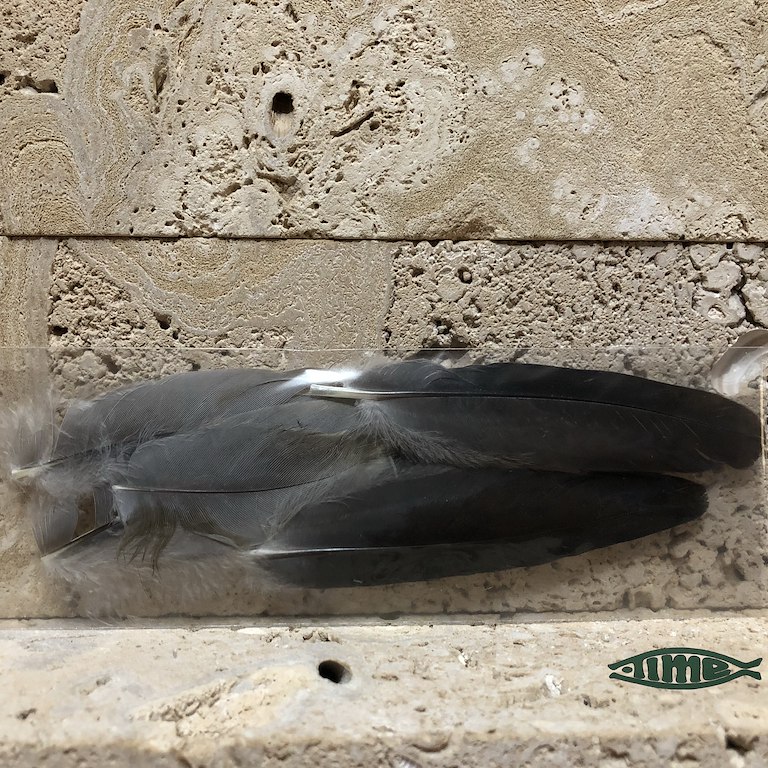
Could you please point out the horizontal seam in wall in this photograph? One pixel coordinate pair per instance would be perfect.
(425, 239)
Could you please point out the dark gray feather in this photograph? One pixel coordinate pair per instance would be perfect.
(551, 418)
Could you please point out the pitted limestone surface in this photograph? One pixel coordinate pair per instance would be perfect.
(496, 297)
(237, 118)
(208, 293)
(487, 296)
(416, 696)
(298, 118)
(34, 41)
(180, 301)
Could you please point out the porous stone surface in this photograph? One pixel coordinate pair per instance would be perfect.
(34, 41)
(203, 293)
(587, 119)
(25, 266)
(24, 284)
(121, 309)
(501, 297)
(409, 696)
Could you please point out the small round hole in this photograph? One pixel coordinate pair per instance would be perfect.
(164, 321)
(282, 103)
(334, 671)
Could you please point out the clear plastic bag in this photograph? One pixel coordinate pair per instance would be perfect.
(711, 560)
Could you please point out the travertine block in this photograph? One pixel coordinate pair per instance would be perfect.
(412, 696)
(497, 297)
(505, 119)
(24, 281)
(214, 293)
(34, 41)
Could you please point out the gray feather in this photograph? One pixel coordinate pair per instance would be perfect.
(239, 479)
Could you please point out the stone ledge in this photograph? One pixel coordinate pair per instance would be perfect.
(417, 695)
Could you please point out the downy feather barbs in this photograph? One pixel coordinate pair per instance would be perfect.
(404, 471)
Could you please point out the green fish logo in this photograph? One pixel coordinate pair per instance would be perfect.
(682, 669)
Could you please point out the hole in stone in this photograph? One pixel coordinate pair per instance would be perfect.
(739, 743)
(110, 363)
(163, 321)
(58, 330)
(282, 103)
(334, 671)
(41, 86)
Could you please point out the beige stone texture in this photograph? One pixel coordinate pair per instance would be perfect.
(190, 184)
(214, 293)
(414, 696)
(24, 284)
(24, 289)
(497, 297)
(592, 119)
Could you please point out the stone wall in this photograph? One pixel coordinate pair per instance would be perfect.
(585, 119)
(201, 182)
